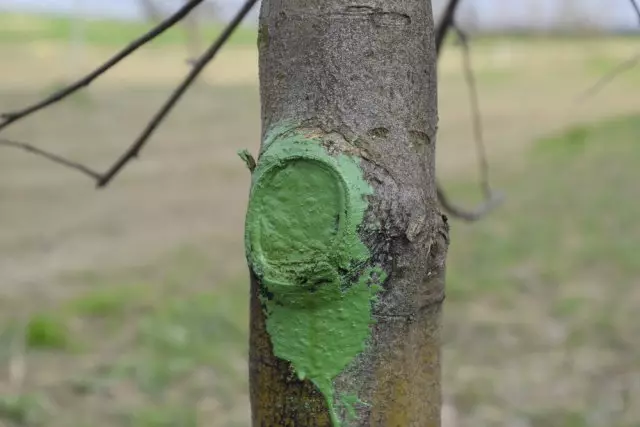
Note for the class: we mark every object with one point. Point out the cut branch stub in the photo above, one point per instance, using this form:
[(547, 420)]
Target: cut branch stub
[(316, 278)]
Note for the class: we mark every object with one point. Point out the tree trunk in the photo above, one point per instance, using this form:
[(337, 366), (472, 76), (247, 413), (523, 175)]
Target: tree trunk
[(344, 239), (192, 29), (151, 10)]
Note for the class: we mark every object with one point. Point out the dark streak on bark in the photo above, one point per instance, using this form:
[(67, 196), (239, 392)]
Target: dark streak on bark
[(364, 74)]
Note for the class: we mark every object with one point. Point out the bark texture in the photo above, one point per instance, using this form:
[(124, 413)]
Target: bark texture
[(362, 73)]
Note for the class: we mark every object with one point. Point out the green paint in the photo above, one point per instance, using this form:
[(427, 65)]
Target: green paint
[(302, 242)]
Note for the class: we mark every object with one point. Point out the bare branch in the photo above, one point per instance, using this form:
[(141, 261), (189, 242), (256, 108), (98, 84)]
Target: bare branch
[(51, 156), (474, 103), (208, 55), (636, 8), (104, 178), (447, 22), (617, 71), (489, 204), (609, 77), (7, 118)]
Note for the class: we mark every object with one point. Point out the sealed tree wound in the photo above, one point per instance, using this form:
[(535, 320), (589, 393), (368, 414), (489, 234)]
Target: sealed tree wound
[(355, 84), (317, 281)]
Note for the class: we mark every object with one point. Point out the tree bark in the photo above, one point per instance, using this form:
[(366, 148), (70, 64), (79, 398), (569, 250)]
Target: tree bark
[(346, 83)]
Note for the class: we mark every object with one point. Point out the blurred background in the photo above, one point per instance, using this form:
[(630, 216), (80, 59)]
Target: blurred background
[(128, 306)]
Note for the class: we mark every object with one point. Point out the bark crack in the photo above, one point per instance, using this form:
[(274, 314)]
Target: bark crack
[(435, 301), (378, 15)]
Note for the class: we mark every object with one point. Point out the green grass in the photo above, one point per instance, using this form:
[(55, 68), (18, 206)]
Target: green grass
[(107, 302), (602, 64), (563, 255), (566, 190), (170, 337), (531, 38), (46, 331), (23, 410), (163, 417), (23, 28), (166, 334)]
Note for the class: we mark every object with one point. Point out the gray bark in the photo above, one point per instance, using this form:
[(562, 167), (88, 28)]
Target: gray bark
[(363, 73)]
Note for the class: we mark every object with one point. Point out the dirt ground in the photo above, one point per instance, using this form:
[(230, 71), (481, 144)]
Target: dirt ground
[(98, 289)]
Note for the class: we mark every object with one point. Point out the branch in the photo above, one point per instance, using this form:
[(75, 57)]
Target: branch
[(475, 109), (7, 118), (636, 8), (609, 77), (200, 64), (103, 179), (617, 71), (51, 156), (447, 22), (490, 203)]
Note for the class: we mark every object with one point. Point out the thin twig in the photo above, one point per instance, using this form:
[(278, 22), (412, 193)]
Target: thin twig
[(474, 103), (489, 204), (446, 22), (7, 118), (636, 7), (200, 64), (51, 156), (102, 179), (609, 77), (617, 71), (492, 200)]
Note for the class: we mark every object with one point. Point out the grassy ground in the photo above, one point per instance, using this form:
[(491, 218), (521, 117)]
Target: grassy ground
[(26, 28), (540, 317), (128, 306)]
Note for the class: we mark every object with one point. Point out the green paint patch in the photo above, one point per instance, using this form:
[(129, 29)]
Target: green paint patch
[(302, 241)]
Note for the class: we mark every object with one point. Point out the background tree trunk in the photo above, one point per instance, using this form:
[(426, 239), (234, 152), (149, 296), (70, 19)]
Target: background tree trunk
[(192, 29), (190, 23), (358, 80)]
